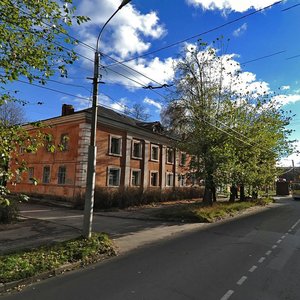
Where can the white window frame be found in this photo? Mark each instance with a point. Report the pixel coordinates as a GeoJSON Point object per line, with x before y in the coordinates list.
{"type": "Point", "coordinates": [139, 178]}
{"type": "Point", "coordinates": [182, 180]}
{"type": "Point", "coordinates": [151, 157]}
{"type": "Point", "coordinates": [108, 172]}
{"type": "Point", "coordinates": [181, 155]}
{"type": "Point", "coordinates": [119, 137]}
{"type": "Point", "coordinates": [172, 179]}
{"type": "Point", "coordinates": [140, 149]}
{"type": "Point", "coordinates": [167, 155]}
{"type": "Point", "coordinates": [157, 178]}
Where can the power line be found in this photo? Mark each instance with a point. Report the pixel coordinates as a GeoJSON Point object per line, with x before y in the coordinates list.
{"type": "Point", "coordinates": [202, 33]}
{"type": "Point", "coordinates": [293, 6]}
{"type": "Point", "coordinates": [295, 56]}
{"type": "Point", "coordinates": [262, 57]}
{"type": "Point", "coordinates": [135, 81]}
{"type": "Point", "coordinates": [51, 89]}
{"type": "Point", "coordinates": [130, 68]}
{"type": "Point", "coordinates": [64, 33]}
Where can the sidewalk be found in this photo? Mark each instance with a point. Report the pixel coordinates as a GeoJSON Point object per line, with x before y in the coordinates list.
{"type": "Point", "coordinates": [129, 229]}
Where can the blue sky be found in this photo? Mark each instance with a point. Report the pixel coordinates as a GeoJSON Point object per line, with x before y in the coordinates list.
{"type": "Point", "coordinates": [265, 44]}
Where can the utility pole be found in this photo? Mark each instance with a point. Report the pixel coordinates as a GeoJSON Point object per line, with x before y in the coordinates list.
{"type": "Point", "coordinates": [92, 152]}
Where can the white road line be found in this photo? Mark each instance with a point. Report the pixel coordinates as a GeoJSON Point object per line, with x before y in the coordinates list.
{"type": "Point", "coordinates": [268, 252]}
{"type": "Point", "coordinates": [290, 230]}
{"type": "Point", "coordinates": [261, 259]}
{"type": "Point", "coordinates": [295, 224]}
{"type": "Point", "coordinates": [252, 269]}
{"type": "Point", "coordinates": [274, 246]}
{"type": "Point", "coordinates": [283, 237]}
{"type": "Point", "coordinates": [279, 241]}
{"type": "Point", "coordinates": [242, 280]}
{"type": "Point", "coordinates": [227, 295]}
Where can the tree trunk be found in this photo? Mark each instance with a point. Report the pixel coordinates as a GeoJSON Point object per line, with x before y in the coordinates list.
{"type": "Point", "coordinates": [233, 193]}
{"type": "Point", "coordinates": [208, 196]}
{"type": "Point", "coordinates": [242, 192]}
{"type": "Point", "coordinates": [214, 194]}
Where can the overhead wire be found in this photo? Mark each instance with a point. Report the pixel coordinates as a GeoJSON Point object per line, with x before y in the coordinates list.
{"type": "Point", "coordinates": [202, 33]}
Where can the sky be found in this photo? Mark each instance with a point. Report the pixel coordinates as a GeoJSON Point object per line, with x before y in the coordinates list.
{"type": "Point", "coordinates": [149, 37]}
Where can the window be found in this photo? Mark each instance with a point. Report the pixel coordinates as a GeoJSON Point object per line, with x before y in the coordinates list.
{"type": "Point", "coordinates": [22, 150]}
{"type": "Point", "coordinates": [183, 159]}
{"type": "Point", "coordinates": [61, 176]}
{"type": "Point", "coordinates": [182, 180]}
{"type": "Point", "coordinates": [154, 179]}
{"type": "Point", "coordinates": [136, 178]}
{"type": "Point", "coordinates": [115, 145]}
{"type": "Point", "coordinates": [114, 176]}
{"type": "Point", "coordinates": [136, 149]}
{"type": "Point", "coordinates": [169, 179]}
{"type": "Point", "coordinates": [46, 174]}
{"type": "Point", "coordinates": [154, 152]}
{"type": "Point", "coordinates": [48, 143]}
{"type": "Point", "coordinates": [64, 142]}
{"type": "Point", "coordinates": [31, 174]}
{"type": "Point", "coordinates": [170, 155]}
{"type": "Point", "coordinates": [18, 177]}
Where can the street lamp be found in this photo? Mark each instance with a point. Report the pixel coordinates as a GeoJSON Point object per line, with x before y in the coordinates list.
{"type": "Point", "coordinates": [92, 152]}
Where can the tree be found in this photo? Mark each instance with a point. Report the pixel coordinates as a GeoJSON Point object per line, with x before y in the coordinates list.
{"type": "Point", "coordinates": [137, 111]}
{"type": "Point", "coordinates": [235, 132]}
{"type": "Point", "coordinates": [34, 46]}
{"type": "Point", "coordinates": [12, 113]}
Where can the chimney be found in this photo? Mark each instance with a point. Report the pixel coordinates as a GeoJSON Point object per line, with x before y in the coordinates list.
{"type": "Point", "coordinates": [67, 109]}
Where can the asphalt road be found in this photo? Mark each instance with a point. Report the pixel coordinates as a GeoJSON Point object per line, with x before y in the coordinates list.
{"type": "Point", "coordinates": [253, 257]}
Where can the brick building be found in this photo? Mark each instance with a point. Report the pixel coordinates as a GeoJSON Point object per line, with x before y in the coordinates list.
{"type": "Point", "coordinates": [130, 153]}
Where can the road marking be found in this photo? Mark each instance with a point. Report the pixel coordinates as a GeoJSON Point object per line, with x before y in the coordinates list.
{"type": "Point", "coordinates": [261, 259]}
{"type": "Point", "coordinates": [290, 230]}
{"type": "Point", "coordinates": [268, 252]}
{"type": "Point", "coordinates": [279, 241]}
{"type": "Point", "coordinates": [274, 246]}
{"type": "Point", "coordinates": [252, 269]}
{"type": "Point", "coordinates": [283, 237]}
{"type": "Point", "coordinates": [227, 295]}
{"type": "Point", "coordinates": [242, 280]}
{"type": "Point", "coordinates": [295, 224]}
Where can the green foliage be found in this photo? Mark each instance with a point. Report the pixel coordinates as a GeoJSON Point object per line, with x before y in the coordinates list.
{"type": "Point", "coordinates": [31, 47]}
{"type": "Point", "coordinates": [8, 211]}
{"type": "Point", "coordinates": [30, 33]}
{"type": "Point", "coordinates": [25, 264]}
{"type": "Point", "coordinates": [236, 134]}
{"type": "Point", "coordinates": [199, 212]}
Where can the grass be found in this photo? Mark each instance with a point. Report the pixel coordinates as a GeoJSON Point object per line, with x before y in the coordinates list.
{"type": "Point", "coordinates": [25, 264]}
{"type": "Point", "coordinates": [198, 212]}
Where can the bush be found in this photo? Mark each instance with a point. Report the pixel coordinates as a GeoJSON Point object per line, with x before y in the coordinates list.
{"type": "Point", "coordinates": [8, 212]}
{"type": "Point", "coordinates": [125, 197]}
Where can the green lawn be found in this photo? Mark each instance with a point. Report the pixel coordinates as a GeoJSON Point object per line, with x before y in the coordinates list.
{"type": "Point", "coordinates": [198, 212]}
{"type": "Point", "coordinates": [25, 264]}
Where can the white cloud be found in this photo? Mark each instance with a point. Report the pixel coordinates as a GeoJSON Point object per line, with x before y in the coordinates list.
{"type": "Point", "coordinates": [153, 102]}
{"type": "Point", "coordinates": [231, 5]}
{"type": "Point", "coordinates": [241, 30]}
{"type": "Point", "coordinates": [285, 87]}
{"type": "Point", "coordinates": [287, 99]}
{"type": "Point", "coordinates": [229, 71]}
{"type": "Point", "coordinates": [162, 71]}
{"type": "Point", "coordinates": [128, 33]}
